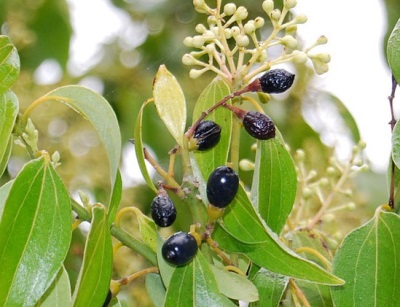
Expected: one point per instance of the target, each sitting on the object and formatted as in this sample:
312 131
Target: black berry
179 249
206 135
222 186
163 210
276 81
259 125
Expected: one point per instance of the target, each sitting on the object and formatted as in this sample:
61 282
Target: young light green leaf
396 145
4 191
207 161
139 148
99 113
270 287
274 183
95 274
155 288
9 64
368 260
242 231
35 233
147 229
115 198
193 285
59 293
234 286
9 107
393 51
170 103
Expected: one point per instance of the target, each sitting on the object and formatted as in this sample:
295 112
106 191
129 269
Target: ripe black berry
206 135
163 210
259 125
179 249
222 186
276 81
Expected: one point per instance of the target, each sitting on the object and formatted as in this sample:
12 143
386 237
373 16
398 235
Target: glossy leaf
59 293
396 145
270 288
393 51
9 64
4 191
95 274
35 233
170 103
242 231
206 161
274 183
368 260
115 198
155 288
8 113
93 107
234 286
139 147
193 285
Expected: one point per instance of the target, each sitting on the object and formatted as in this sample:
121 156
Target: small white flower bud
242 40
249 27
289 41
362 145
211 20
322 40
322 57
268 6
300 155
208 35
299 57
259 22
188 59
246 165
241 13
195 73
228 33
331 171
289 4
215 30
351 206
301 19
188 41
320 68
276 14
230 9
307 193
235 31
324 182
198 41
210 48
263 56
328 218
200 28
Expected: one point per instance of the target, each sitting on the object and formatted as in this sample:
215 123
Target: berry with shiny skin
206 135
179 249
222 186
163 210
259 125
276 81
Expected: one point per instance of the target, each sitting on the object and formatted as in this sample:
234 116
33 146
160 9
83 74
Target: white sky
358 73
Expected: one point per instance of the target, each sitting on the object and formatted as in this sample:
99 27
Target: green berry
222 186
179 249
163 210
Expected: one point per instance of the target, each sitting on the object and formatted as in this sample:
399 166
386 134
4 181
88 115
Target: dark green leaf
170 103
393 51
139 148
115 198
95 274
274 183
99 113
8 113
35 233
206 161
59 293
270 288
368 260
9 64
244 232
180 290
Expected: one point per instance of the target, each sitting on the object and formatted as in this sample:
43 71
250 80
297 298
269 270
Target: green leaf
242 231
93 107
115 199
155 288
4 191
8 113
170 103
193 285
234 286
270 287
368 260
35 233
393 51
147 229
59 293
396 145
9 64
138 140
95 274
166 270
274 183
207 161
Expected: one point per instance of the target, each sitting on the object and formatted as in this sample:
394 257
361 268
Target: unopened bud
268 6
230 9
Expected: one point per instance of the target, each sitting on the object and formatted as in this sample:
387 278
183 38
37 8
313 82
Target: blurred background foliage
123 72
